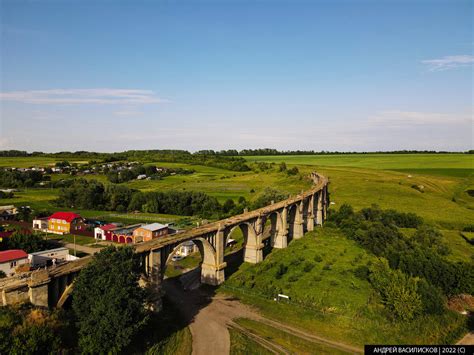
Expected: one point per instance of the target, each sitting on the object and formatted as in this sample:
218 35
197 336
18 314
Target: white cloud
449 62
101 96
397 118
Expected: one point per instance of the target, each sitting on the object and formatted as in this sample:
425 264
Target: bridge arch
207 251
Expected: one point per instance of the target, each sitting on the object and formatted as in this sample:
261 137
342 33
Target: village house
149 232
65 222
101 232
121 234
8 212
50 257
40 224
10 260
187 248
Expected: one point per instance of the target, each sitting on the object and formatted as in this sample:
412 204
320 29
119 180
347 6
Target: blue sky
323 75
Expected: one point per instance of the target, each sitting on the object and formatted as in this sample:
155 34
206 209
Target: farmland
389 180
345 308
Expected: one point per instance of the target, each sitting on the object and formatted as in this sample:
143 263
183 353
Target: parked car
177 257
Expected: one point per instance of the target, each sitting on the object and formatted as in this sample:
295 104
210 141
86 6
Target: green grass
178 343
435 164
69 238
175 268
241 344
290 342
328 299
224 184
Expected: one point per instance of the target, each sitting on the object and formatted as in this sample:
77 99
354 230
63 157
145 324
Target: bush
28 331
308 266
281 270
293 278
292 171
398 291
469 228
267 196
362 272
432 298
318 258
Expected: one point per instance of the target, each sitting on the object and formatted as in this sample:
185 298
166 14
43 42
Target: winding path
209 317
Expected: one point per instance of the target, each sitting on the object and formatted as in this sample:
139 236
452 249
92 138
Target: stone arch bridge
274 225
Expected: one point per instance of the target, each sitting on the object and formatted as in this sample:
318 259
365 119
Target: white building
11 259
187 248
40 224
50 257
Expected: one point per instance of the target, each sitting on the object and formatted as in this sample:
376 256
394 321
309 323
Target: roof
10 255
49 251
67 216
154 226
8 207
108 227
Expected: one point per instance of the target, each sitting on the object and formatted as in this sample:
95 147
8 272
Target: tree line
92 194
179 154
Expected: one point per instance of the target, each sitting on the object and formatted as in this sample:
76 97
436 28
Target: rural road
83 248
210 315
468 339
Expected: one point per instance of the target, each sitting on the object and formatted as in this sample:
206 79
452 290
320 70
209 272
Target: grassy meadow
342 306
433 186
328 299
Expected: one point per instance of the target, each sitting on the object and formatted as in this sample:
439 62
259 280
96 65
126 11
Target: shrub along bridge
274 225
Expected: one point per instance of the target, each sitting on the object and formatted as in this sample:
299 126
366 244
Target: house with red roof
102 232
12 259
65 222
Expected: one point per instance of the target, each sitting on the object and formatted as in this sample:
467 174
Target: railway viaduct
274 225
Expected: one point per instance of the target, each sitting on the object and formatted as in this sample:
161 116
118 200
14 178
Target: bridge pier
253 253
319 213
155 278
38 288
212 267
281 240
212 274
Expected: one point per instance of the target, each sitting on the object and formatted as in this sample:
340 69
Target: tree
28 242
398 290
108 302
267 197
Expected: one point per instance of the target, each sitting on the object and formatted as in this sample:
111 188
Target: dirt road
209 316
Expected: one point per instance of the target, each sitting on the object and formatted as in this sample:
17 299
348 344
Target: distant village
13 261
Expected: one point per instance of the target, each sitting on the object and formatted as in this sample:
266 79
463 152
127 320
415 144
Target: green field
326 298
360 180
343 307
457 165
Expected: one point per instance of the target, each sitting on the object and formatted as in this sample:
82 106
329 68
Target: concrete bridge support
212 268
253 252
319 213
155 277
310 214
39 288
298 229
281 238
